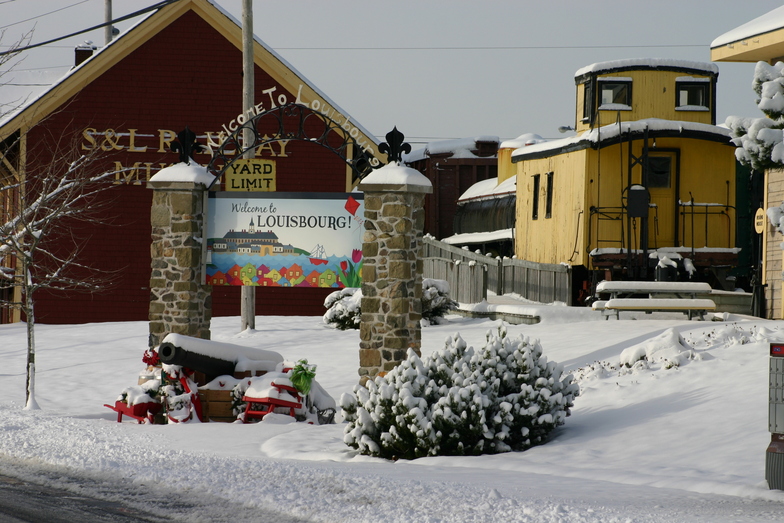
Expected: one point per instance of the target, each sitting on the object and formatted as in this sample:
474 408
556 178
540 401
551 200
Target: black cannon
211 358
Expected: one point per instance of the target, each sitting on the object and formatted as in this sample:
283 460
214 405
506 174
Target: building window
548 198
615 94
535 200
692 95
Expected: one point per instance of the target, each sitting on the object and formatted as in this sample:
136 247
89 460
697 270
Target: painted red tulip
344 265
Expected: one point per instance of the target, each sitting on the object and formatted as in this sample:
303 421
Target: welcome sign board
284 239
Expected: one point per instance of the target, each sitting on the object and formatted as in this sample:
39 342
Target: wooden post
248 292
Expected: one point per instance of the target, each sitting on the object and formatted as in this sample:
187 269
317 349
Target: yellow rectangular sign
251 175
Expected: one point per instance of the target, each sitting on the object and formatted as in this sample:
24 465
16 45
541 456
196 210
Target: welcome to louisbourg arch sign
295 121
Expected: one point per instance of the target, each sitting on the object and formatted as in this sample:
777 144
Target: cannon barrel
209 357
170 354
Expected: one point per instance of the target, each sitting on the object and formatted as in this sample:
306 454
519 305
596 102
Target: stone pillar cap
396 177
183 172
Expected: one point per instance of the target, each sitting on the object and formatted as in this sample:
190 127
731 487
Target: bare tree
9 59
42 235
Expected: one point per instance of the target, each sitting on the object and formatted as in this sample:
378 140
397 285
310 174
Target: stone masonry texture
179 303
391 278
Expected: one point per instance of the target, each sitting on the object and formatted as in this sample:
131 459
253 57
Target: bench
659 298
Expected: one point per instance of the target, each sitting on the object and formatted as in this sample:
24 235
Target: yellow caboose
647 180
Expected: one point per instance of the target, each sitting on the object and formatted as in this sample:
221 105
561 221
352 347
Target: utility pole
248 304
107 29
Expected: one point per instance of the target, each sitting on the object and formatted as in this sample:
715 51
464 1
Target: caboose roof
641 64
615 133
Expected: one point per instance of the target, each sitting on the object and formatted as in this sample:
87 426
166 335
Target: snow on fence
541 282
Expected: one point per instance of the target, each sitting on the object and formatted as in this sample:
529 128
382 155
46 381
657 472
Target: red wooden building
452 166
180 66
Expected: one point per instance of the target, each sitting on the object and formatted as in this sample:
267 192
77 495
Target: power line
45 14
486 48
122 18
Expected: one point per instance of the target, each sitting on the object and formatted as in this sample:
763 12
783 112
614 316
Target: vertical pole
248 303
107 29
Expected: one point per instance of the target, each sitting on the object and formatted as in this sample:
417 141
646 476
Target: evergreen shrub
344 306
458 401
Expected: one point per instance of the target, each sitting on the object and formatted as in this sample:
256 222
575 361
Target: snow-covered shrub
668 348
435 299
459 401
760 141
343 308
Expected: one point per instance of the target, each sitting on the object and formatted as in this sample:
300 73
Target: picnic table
662 296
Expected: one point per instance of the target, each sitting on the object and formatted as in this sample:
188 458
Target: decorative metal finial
394 146
187 145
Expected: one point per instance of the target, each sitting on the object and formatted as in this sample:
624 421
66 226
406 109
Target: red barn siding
188 74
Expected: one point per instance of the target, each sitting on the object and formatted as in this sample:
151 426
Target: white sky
525 83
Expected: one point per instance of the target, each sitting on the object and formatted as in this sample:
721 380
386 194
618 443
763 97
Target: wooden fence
540 282
467 281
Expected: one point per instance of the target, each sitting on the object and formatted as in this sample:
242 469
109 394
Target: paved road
21 501
87 499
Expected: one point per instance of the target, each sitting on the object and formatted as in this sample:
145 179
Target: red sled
139 412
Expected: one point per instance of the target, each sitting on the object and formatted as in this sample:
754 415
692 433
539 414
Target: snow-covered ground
648 443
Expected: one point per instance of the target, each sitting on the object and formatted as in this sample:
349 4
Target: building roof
52 97
761 39
489 188
457 148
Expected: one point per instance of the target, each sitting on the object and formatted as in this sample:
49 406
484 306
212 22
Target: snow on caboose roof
522 141
664 63
612 133
766 23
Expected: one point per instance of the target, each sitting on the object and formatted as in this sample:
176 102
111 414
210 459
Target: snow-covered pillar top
392 271
179 302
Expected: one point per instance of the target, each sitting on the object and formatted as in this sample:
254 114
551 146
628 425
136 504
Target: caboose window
588 102
548 199
660 172
535 199
615 94
692 96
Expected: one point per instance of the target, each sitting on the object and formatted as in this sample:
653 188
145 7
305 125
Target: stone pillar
392 270
179 302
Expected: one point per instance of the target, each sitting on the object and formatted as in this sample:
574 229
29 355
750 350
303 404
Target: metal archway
300 123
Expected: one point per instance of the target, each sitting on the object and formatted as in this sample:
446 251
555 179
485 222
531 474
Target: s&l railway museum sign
182 66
